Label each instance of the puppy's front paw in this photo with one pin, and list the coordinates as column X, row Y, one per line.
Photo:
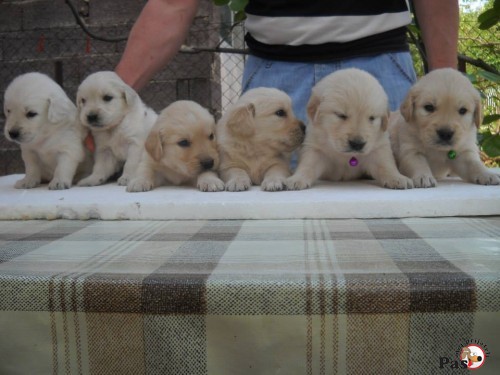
column 273, row 184
column 424, row 181
column 27, row 183
column 486, row 179
column 238, row 184
column 123, row 180
column 57, row 184
column 139, row 185
column 398, row 182
column 296, row 182
column 210, row 183
column 92, row 181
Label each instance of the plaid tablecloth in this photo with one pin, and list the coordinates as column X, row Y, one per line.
column 380, row 296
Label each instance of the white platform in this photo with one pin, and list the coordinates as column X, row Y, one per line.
column 359, row 199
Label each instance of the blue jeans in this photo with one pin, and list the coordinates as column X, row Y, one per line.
column 393, row 70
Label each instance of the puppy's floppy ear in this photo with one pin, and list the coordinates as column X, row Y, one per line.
column 408, row 105
column 241, row 120
column 60, row 109
column 153, row 145
column 312, row 106
column 130, row 95
column 78, row 101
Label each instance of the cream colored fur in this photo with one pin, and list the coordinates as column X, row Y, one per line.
column 119, row 122
column 348, row 115
column 180, row 150
column 43, row 121
column 256, row 137
column 441, row 104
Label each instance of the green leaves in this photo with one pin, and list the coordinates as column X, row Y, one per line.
column 489, row 119
column 490, row 17
column 234, row 5
column 489, row 76
column 237, row 6
column 490, row 143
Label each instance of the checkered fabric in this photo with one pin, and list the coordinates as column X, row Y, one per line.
column 381, row 296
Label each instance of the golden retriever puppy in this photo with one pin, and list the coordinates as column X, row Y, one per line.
column 119, row 122
column 256, row 137
column 43, row 121
column 347, row 136
column 435, row 133
column 180, row 149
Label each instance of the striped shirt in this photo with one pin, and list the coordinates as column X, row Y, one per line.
column 315, row 30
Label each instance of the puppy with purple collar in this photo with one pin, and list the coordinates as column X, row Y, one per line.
column 347, row 137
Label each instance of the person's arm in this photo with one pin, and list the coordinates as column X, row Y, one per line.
column 155, row 38
column 438, row 20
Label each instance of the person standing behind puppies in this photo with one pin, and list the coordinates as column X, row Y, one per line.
column 295, row 44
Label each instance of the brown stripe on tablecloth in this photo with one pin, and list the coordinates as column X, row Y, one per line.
column 116, row 343
column 53, row 327
column 309, row 302
column 115, row 327
column 76, row 323
column 321, row 239
column 377, row 344
column 22, row 243
column 179, row 285
column 113, row 291
column 68, row 297
column 64, row 310
column 174, row 302
column 376, row 293
column 322, row 296
column 435, row 284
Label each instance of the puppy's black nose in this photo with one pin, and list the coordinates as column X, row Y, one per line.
column 356, row 144
column 92, row 118
column 302, row 127
column 207, row 163
column 14, row 134
column 445, row 134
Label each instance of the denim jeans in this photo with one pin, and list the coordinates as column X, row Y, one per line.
column 393, row 70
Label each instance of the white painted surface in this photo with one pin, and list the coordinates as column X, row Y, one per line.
column 359, row 199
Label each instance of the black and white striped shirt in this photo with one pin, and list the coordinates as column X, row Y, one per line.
column 315, row 30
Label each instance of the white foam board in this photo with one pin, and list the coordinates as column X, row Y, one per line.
column 357, row 199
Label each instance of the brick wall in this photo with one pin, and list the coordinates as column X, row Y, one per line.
column 42, row 35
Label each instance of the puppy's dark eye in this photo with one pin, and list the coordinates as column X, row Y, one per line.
column 107, row 98
column 341, row 116
column 280, row 113
column 429, row 108
column 462, row 111
column 371, row 118
column 184, row 143
column 83, row 101
column 211, row 136
column 31, row 114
